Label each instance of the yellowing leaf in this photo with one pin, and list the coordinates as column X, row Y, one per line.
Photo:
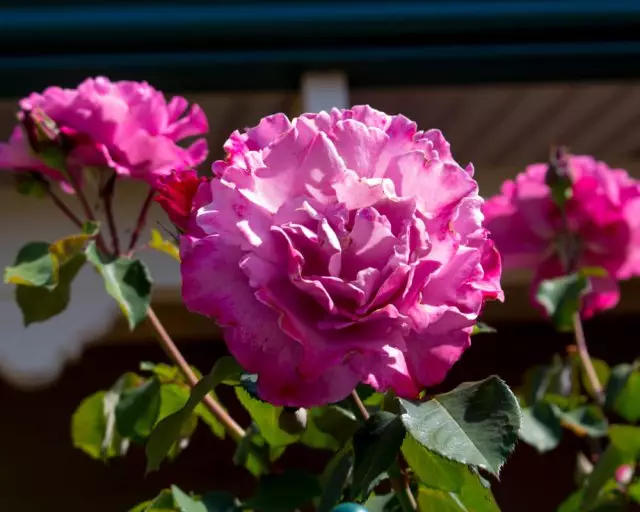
column 160, row 244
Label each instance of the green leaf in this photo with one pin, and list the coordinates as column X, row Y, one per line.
column 334, row 479
column 186, row 503
column 285, row 492
column 476, row 423
column 127, row 281
column 602, row 371
column 38, row 304
column 163, row 371
column 438, row 500
column 541, row 427
column 218, row 501
column 160, row 244
column 604, row 472
column 634, row 491
column 448, row 476
column 627, row 439
column 266, row 416
column 34, row 266
column 375, row 445
column 617, row 381
column 572, row 503
column 138, row 409
column 162, row 503
column 561, row 298
column 88, row 428
column 173, row 397
column 587, row 420
column 338, row 422
column 30, row 185
column 168, row 430
column 481, row 328
column 627, row 404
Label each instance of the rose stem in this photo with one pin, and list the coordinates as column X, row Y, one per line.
column 107, row 196
column 585, row 359
column 400, row 486
column 142, row 217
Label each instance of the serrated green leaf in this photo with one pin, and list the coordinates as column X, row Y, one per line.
column 334, row 479
column 160, row 244
column 162, row 503
column 602, row 371
column 266, row 417
column 375, row 445
column 587, row 420
column 541, row 427
column 41, row 303
column 138, row 409
column 627, row 403
column 186, row 503
column 476, row 423
column 436, row 500
column 285, row 492
column 167, row 431
column 448, row 476
column 127, row 281
column 561, row 298
column 338, row 422
column 34, row 266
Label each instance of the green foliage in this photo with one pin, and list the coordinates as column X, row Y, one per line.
column 34, row 266
column 587, row 420
column 335, row 478
column 449, row 477
column 481, row 328
column 560, row 297
column 127, row 281
column 476, row 423
column 541, row 426
column 627, row 402
column 602, row 371
column 137, row 410
column 375, row 446
column 284, row 492
column 176, row 500
column 30, row 185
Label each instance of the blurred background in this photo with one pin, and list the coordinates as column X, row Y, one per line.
column 502, row 80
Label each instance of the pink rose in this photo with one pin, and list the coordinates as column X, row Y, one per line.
column 603, row 221
column 339, row 248
column 126, row 126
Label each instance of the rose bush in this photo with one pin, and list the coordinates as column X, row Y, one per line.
column 125, row 126
column 340, row 248
column 601, row 227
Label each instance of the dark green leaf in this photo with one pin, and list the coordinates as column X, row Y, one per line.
column 448, row 476
column 294, row 422
column 127, row 281
column 587, row 420
column 173, row 397
column 162, row 503
column 218, row 501
column 34, row 266
column 41, row 303
column 604, row 472
column 30, row 184
column 619, row 375
column 561, row 298
column 476, row 423
column 162, row 371
column 627, row 439
column 138, row 409
column 437, row 500
column 285, row 492
column 266, row 417
column 376, row 445
column 634, row 491
column 627, row 403
column 168, row 430
column 88, row 428
column 334, row 479
column 249, row 382
column 602, row 371
column 573, row 503
column 314, row 437
column 541, row 427
column 336, row 421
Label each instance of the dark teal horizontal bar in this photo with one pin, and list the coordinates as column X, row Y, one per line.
column 310, row 20
column 367, row 67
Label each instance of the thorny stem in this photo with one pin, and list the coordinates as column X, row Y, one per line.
column 107, row 196
column 230, row 425
column 142, row 217
column 585, row 359
column 398, row 481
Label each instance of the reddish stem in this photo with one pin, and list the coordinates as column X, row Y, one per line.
column 142, row 218
column 107, row 196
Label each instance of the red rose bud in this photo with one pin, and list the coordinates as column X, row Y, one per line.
column 40, row 129
column 175, row 193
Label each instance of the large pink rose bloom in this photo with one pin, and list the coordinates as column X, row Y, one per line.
column 126, row 126
column 339, row 248
column 602, row 227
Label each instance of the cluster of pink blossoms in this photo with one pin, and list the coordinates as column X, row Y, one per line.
column 601, row 225
column 338, row 248
column 126, row 126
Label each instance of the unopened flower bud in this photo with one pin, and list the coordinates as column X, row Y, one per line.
column 624, row 475
column 40, row 129
column 293, row 421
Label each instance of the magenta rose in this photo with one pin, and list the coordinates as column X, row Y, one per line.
column 602, row 227
column 126, row 126
column 340, row 248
